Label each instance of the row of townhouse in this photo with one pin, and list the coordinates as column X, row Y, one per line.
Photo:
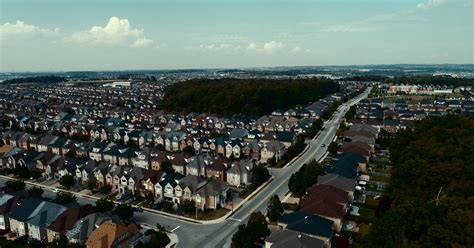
column 47, row 221
column 254, row 145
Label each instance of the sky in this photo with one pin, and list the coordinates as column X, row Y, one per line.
column 76, row 35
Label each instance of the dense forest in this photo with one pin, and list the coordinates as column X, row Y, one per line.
column 434, row 80
column 431, row 200
column 250, row 96
column 39, row 79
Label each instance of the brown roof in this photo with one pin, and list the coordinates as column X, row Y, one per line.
column 220, row 164
column 325, row 200
column 328, row 192
column 160, row 158
column 68, row 218
column 4, row 149
column 179, row 159
column 365, row 133
column 106, row 235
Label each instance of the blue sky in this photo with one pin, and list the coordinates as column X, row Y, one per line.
column 56, row 35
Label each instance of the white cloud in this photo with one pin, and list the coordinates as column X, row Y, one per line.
column 141, row 42
column 268, row 47
column 218, row 47
column 252, row 46
column 296, row 50
column 116, row 31
column 348, row 28
column 23, row 30
column 431, row 4
column 272, row 45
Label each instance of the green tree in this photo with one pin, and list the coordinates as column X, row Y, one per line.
column 22, row 172
column 260, row 175
column 103, row 205
column 124, row 211
column 35, row 192
column 188, row 206
column 15, row 185
column 65, row 198
column 431, row 202
column 91, row 183
column 189, row 150
column 275, row 208
column 106, row 189
column 305, row 177
column 332, row 148
column 255, row 230
column 67, row 181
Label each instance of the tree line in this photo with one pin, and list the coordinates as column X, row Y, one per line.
column 431, row 197
column 38, row 79
column 252, row 97
column 434, row 80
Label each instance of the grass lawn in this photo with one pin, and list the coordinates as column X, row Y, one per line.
column 367, row 215
column 372, row 187
column 380, row 179
column 364, row 229
column 383, row 170
column 371, row 203
column 209, row 214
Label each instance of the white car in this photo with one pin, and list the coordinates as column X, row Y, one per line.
column 55, row 190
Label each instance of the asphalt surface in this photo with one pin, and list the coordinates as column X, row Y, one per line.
column 220, row 234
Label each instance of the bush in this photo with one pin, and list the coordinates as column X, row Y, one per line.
column 67, row 181
column 188, row 206
column 15, row 185
column 104, row 205
column 35, row 192
column 106, row 189
column 124, row 211
column 65, row 198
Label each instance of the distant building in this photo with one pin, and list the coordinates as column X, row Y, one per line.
column 119, row 84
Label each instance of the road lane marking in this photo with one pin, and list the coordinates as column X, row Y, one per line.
column 239, row 220
column 176, row 228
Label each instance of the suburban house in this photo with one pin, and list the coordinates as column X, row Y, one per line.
column 66, row 220
column 272, row 149
column 291, row 239
column 110, row 234
column 83, row 227
column 240, row 173
column 7, row 204
column 21, row 214
column 326, row 201
column 311, row 225
column 42, row 217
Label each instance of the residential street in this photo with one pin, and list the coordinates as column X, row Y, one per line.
column 220, row 234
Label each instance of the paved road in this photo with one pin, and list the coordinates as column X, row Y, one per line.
column 219, row 235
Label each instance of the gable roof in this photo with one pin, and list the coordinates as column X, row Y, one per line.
column 45, row 213
column 307, row 223
column 107, row 234
column 68, row 218
column 292, row 239
column 337, row 181
column 23, row 211
column 8, row 203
